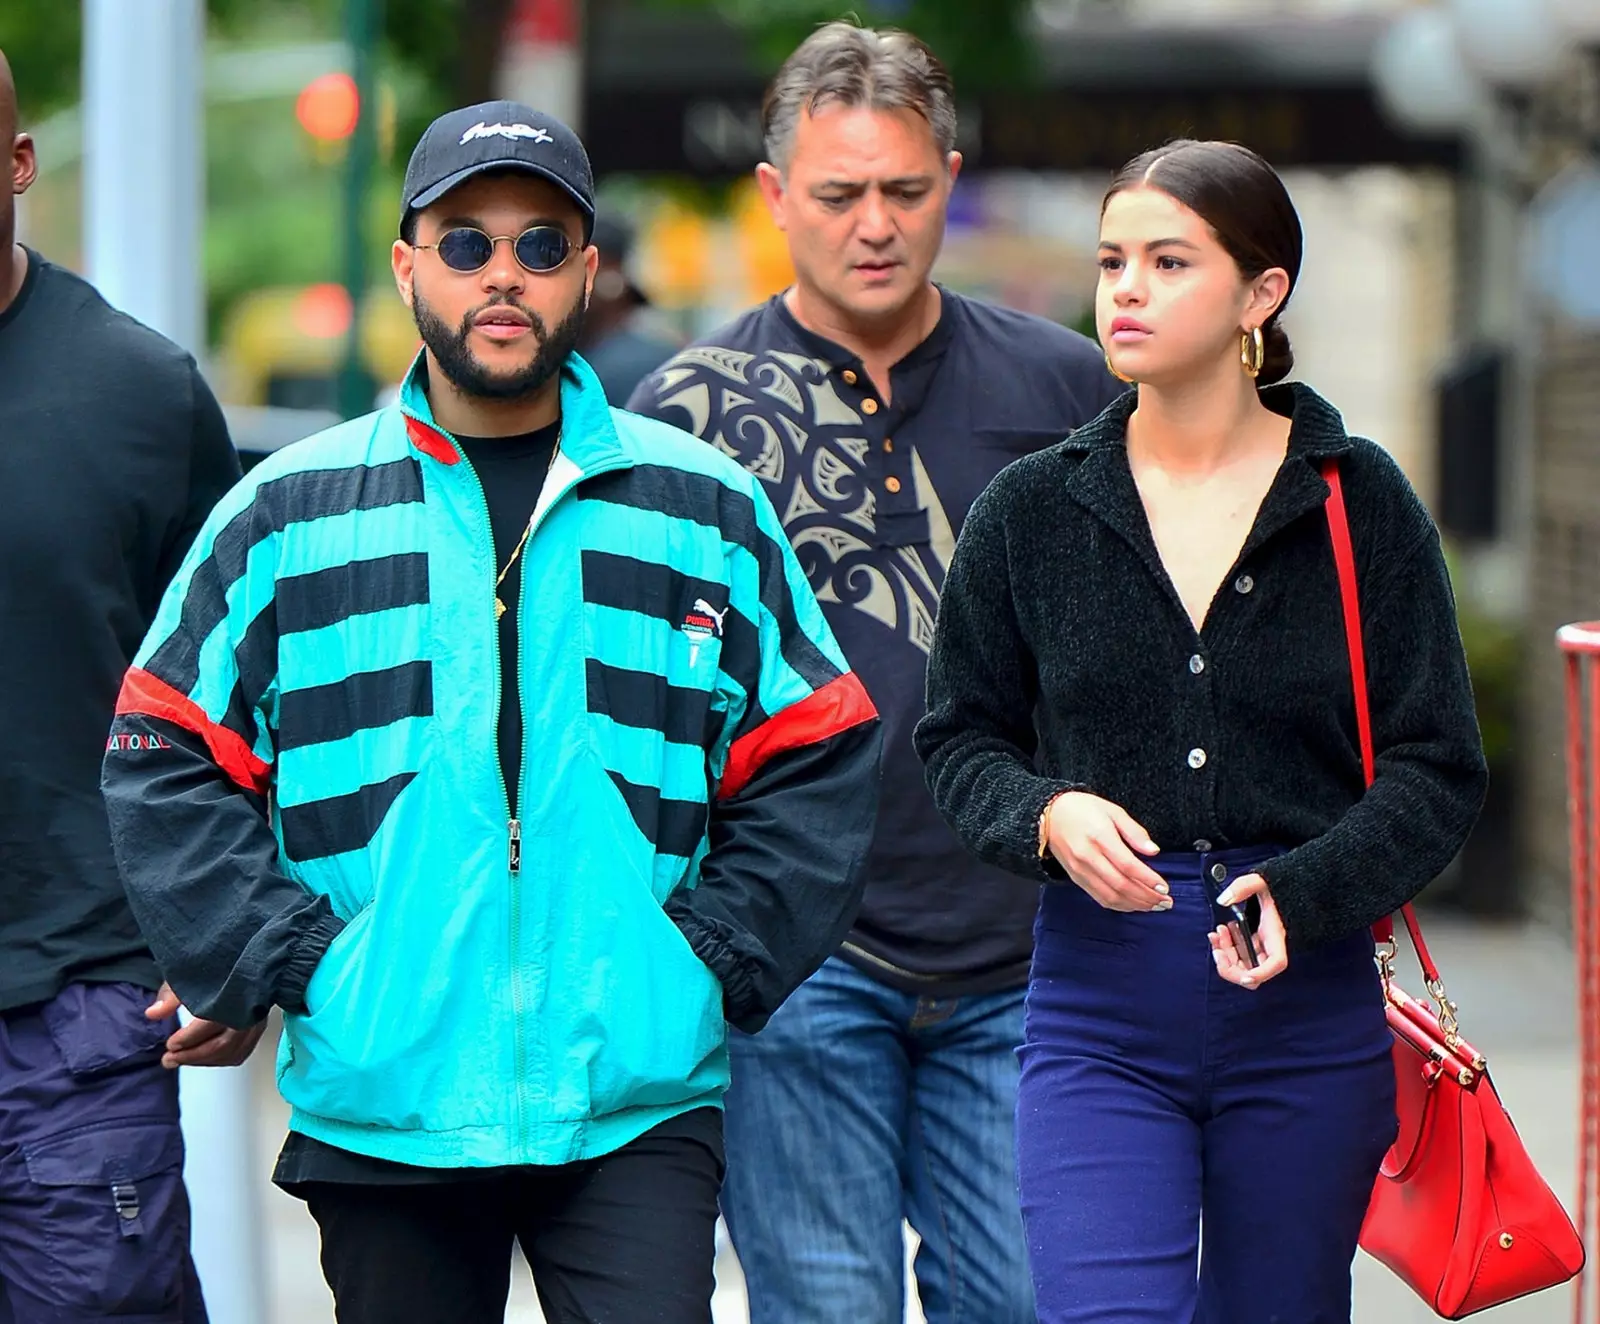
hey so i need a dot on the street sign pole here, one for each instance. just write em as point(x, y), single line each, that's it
point(362, 19)
point(143, 234)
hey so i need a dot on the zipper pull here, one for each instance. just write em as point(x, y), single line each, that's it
point(514, 855)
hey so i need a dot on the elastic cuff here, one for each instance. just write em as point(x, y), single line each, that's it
point(309, 949)
point(715, 945)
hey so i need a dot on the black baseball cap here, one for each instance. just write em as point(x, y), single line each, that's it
point(497, 135)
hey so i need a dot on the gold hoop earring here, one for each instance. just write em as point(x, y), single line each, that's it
point(1252, 352)
point(1115, 373)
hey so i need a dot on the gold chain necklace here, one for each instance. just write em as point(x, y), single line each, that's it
point(499, 606)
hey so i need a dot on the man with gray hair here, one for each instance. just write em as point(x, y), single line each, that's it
point(875, 405)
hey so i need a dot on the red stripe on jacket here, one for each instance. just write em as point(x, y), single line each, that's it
point(430, 441)
point(836, 707)
point(145, 695)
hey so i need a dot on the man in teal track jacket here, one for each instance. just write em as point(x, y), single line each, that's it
point(497, 738)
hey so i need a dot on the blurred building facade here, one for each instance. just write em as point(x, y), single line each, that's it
point(1563, 572)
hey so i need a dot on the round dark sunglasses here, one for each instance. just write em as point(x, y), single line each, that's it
point(539, 249)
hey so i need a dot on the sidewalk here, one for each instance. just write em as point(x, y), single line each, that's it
point(1515, 986)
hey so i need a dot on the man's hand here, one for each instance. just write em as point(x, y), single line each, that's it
point(202, 1043)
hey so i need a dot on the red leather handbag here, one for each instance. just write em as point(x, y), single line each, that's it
point(1459, 1211)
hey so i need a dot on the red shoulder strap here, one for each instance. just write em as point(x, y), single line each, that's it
point(1344, 560)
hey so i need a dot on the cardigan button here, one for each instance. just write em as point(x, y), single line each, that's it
point(1197, 664)
point(1197, 758)
point(1244, 584)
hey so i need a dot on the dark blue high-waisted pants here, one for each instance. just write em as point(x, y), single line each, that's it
point(1189, 1150)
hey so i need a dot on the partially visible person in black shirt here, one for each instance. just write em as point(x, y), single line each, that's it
point(618, 341)
point(112, 453)
point(876, 406)
point(1140, 695)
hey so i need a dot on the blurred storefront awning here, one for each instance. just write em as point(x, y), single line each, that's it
point(682, 94)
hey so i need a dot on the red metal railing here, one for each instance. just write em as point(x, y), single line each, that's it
point(1580, 645)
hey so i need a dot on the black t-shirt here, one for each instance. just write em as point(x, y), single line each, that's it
point(512, 471)
point(112, 453)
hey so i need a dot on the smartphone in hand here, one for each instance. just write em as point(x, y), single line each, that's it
point(1242, 922)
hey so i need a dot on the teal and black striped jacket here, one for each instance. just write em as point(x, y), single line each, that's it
point(308, 808)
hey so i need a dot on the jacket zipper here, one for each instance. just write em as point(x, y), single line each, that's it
point(513, 823)
point(513, 831)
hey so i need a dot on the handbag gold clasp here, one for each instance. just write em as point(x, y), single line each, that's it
point(1447, 1012)
point(1385, 954)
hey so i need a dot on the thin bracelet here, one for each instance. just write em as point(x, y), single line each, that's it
point(1044, 824)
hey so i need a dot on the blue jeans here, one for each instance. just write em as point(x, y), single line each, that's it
point(859, 1106)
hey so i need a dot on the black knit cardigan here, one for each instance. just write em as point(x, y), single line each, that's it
point(1064, 659)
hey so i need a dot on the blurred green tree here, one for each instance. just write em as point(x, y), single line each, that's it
point(40, 39)
point(453, 44)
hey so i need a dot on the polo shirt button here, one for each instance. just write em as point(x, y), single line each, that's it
point(869, 406)
point(1219, 873)
point(1202, 845)
point(892, 484)
point(1243, 584)
point(1197, 664)
point(850, 378)
point(1197, 758)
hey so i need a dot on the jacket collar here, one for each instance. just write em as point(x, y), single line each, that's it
point(1103, 482)
point(1316, 428)
point(588, 433)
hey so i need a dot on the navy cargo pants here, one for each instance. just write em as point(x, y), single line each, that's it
point(94, 1218)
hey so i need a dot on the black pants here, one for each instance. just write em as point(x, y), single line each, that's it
point(624, 1239)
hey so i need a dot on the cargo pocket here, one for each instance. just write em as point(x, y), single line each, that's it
point(100, 1029)
point(112, 1219)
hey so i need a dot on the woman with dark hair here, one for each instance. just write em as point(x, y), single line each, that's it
point(1140, 695)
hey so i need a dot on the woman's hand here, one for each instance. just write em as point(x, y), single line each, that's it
point(1272, 946)
point(1094, 841)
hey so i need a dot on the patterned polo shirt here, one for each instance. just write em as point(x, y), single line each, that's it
point(872, 492)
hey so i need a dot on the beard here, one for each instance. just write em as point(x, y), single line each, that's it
point(471, 376)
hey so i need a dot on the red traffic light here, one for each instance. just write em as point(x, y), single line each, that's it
point(329, 107)
point(323, 312)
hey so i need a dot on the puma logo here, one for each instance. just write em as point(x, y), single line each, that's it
point(700, 604)
point(702, 623)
